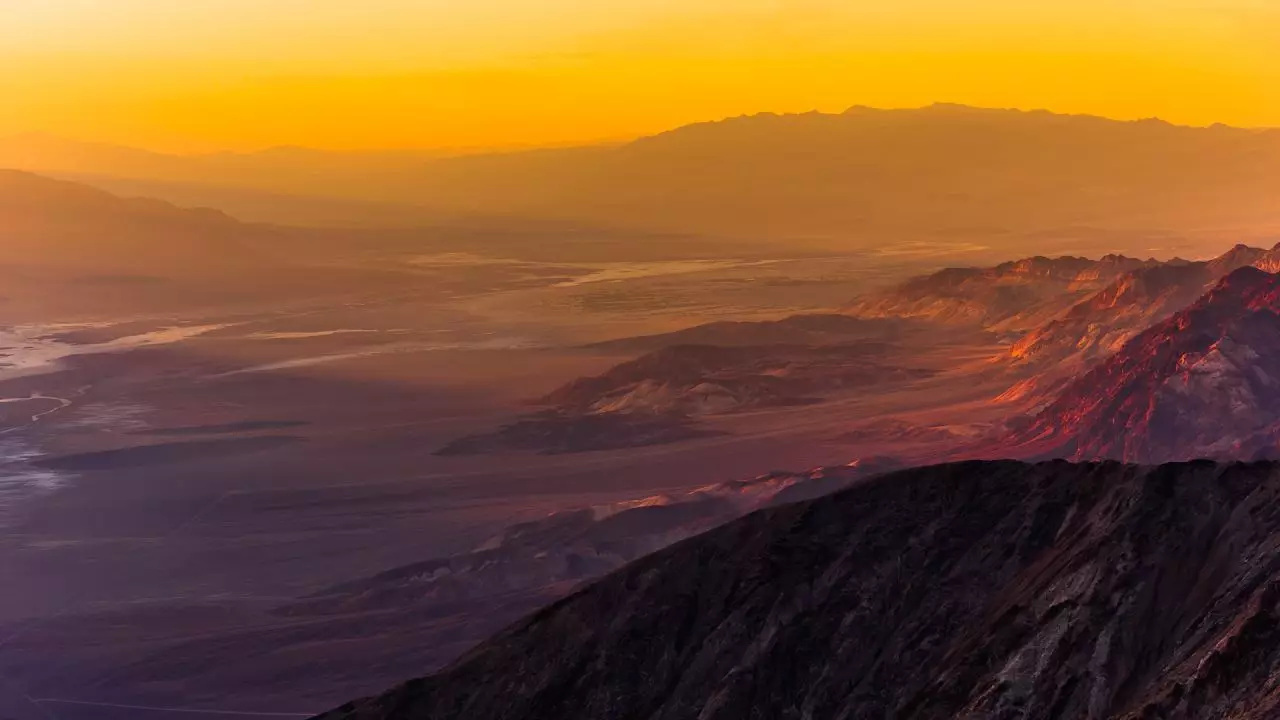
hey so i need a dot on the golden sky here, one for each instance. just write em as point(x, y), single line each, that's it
point(195, 75)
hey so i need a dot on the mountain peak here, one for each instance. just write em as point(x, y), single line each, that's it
point(1202, 383)
point(1254, 287)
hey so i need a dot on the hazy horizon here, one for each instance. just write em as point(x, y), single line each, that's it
point(430, 151)
point(235, 74)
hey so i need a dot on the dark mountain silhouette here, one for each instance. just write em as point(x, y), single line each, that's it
point(981, 589)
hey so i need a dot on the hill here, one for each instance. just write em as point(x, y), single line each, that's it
point(994, 590)
point(48, 223)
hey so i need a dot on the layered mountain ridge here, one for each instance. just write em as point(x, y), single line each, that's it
point(1057, 317)
point(860, 176)
point(1101, 324)
point(1204, 382)
point(1015, 295)
point(981, 589)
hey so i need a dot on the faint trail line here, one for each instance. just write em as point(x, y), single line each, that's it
point(35, 704)
point(196, 516)
point(187, 711)
point(17, 632)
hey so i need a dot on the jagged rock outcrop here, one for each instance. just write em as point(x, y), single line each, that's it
point(974, 590)
point(1203, 383)
point(1012, 296)
point(1097, 327)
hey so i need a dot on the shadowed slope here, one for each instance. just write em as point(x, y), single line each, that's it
point(994, 590)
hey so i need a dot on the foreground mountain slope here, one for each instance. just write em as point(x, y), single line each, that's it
point(993, 590)
point(1204, 382)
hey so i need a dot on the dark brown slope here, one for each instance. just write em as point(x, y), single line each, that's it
point(1202, 383)
point(992, 590)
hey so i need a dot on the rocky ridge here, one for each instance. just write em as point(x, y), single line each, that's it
point(973, 590)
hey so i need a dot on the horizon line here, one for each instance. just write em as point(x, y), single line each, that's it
point(514, 148)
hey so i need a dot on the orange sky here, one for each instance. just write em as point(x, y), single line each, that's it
point(195, 75)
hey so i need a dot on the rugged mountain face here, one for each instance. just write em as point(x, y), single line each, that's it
point(362, 635)
point(1100, 325)
point(1204, 382)
point(553, 554)
point(993, 590)
point(1017, 295)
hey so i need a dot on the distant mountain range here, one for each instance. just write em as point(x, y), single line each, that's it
point(73, 252)
point(59, 225)
point(1136, 360)
point(866, 178)
point(1167, 361)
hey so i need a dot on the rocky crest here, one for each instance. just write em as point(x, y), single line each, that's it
point(1203, 383)
point(1016, 295)
point(974, 590)
point(1100, 325)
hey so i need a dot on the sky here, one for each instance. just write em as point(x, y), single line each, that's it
point(204, 75)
